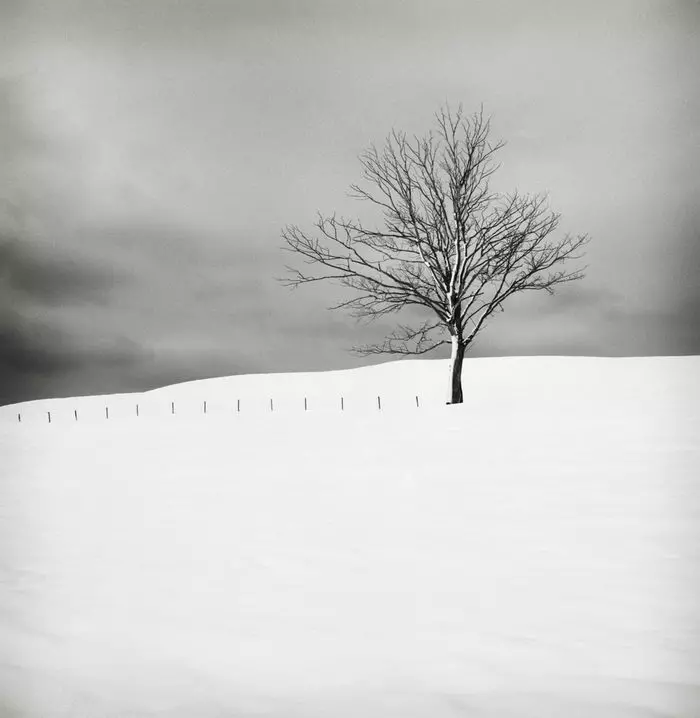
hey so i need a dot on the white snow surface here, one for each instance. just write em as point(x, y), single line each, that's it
point(534, 552)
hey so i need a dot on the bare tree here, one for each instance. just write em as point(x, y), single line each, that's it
point(447, 242)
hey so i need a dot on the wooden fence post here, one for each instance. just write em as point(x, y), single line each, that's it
point(49, 413)
point(137, 410)
point(305, 407)
point(271, 405)
point(106, 412)
point(342, 404)
point(238, 406)
point(205, 406)
point(417, 404)
point(172, 407)
point(75, 411)
point(379, 403)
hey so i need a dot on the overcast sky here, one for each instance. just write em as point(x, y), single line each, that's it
point(151, 151)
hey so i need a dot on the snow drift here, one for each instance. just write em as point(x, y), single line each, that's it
point(533, 552)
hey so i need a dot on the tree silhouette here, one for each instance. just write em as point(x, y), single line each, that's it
point(447, 242)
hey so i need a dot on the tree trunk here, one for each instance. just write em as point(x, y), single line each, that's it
point(456, 359)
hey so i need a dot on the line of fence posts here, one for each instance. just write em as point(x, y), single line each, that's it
point(238, 407)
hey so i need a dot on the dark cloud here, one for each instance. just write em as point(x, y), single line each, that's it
point(36, 361)
point(42, 278)
point(83, 350)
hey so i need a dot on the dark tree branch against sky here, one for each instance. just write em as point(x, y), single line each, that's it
point(446, 243)
point(150, 152)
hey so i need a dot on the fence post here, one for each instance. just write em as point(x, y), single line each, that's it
point(172, 407)
point(238, 405)
point(205, 406)
point(75, 411)
point(106, 412)
point(417, 404)
point(342, 404)
point(19, 418)
point(305, 407)
point(49, 413)
point(137, 410)
point(271, 405)
point(379, 403)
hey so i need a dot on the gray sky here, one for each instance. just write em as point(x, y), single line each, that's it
point(151, 150)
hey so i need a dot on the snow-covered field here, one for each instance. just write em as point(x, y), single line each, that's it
point(534, 552)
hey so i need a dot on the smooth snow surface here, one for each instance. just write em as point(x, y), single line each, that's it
point(534, 552)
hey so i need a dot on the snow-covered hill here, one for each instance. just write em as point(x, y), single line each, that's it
point(534, 552)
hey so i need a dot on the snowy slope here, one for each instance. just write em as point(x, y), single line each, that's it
point(532, 553)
